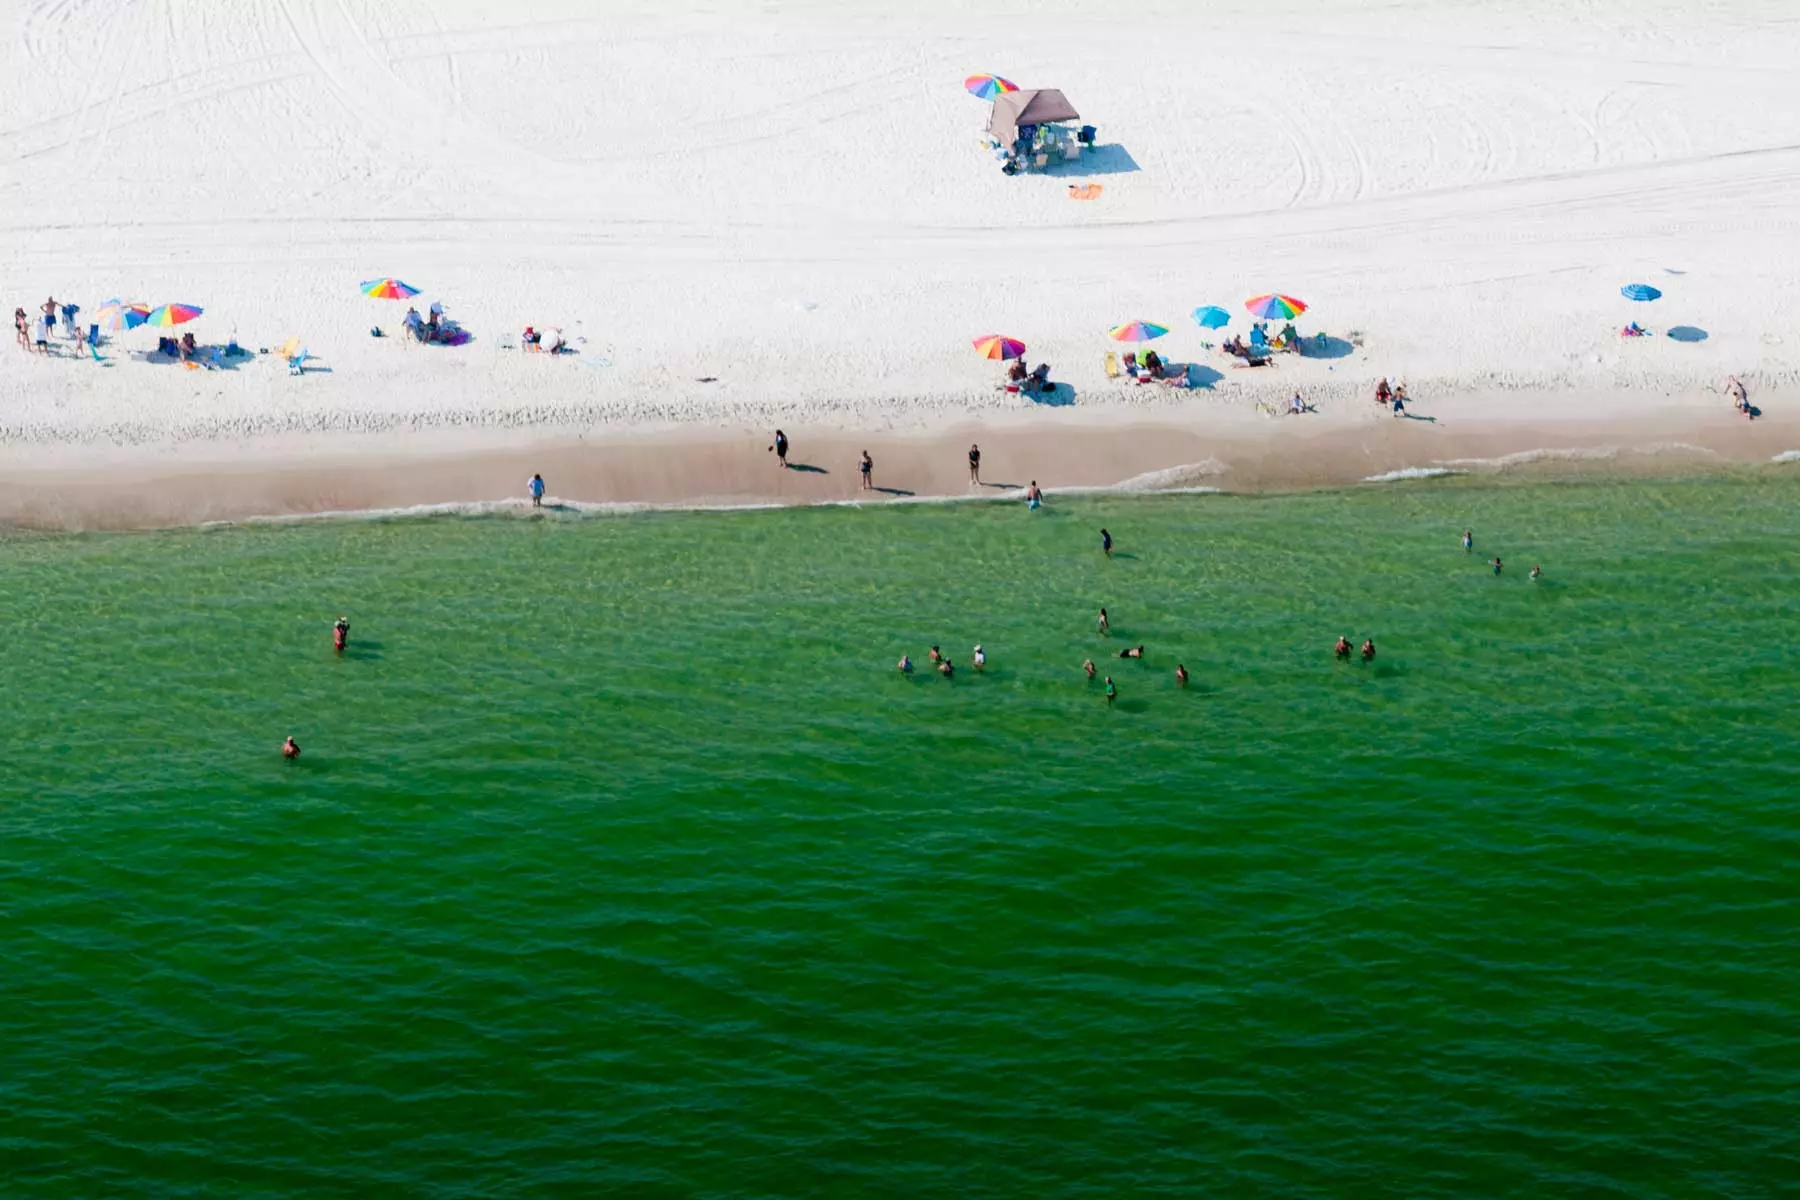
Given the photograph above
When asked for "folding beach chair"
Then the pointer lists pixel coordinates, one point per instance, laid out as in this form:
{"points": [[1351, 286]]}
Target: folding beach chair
{"points": [[1112, 365]]}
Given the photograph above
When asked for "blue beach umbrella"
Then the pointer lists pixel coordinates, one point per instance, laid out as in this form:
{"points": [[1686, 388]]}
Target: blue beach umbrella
{"points": [[1211, 317], [1639, 291]]}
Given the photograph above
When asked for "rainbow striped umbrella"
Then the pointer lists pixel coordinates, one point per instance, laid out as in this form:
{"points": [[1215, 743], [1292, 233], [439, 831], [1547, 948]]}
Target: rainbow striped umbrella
{"points": [[994, 346], [1275, 307], [388, 289], [1135, 331], [172, 314], [988, 86], [118, 315]]}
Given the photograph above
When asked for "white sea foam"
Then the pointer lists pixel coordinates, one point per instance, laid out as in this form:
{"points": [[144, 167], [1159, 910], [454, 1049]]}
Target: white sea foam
{"points": [[1412, 473], [1172, 479], [1526, 457], [1787, 456]]}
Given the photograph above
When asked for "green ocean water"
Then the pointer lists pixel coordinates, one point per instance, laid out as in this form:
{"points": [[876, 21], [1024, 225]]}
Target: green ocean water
{"points": [[621, 861]]}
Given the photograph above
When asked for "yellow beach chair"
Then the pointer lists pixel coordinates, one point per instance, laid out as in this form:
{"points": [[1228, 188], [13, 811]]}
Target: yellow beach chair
{"points": [[1112, 365]]}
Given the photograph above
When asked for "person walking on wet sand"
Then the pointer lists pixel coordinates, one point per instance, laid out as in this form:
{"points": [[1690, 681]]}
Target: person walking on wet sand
{"points": [[974, 465], [536, 487], [1106, 543], [867, 466], [780, 448]]}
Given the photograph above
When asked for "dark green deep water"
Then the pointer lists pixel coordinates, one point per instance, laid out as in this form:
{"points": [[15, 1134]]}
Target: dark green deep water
{"points": [[620, 860]]}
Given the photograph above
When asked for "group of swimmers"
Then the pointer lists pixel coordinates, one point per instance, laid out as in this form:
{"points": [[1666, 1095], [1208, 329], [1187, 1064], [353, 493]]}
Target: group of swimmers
{"points": [[941, 661], [1468, 545]]}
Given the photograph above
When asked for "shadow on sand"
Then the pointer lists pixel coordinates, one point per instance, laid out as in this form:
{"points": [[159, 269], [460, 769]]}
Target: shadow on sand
{"points": [[1110, 159], [1688, 333], [808, 468], [1330, 347]]}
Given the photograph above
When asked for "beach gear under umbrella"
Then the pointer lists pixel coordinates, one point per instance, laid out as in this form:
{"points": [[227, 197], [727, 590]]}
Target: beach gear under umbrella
{"points": [[388, 289], [1211, 317], [1275, 307], [172, 314], [994, 346], [1639, 291], [1135, 331], [115, 316], [988, 86]]}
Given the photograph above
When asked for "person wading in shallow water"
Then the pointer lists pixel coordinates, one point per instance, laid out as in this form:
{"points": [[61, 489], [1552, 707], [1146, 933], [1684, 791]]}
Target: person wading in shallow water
{"points": [[340, 634], [290, 748]]}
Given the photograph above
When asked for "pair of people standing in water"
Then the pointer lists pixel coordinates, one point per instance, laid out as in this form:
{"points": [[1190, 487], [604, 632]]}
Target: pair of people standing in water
{"points": [[1342, 650]]}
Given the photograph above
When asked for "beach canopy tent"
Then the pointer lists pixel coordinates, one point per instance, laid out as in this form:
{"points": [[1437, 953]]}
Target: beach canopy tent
{"points": [[1028, 106]]}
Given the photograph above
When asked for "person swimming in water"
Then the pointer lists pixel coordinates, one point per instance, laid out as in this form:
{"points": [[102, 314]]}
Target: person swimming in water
{"points": [[980, 659], [340, 634], [1088, 668], [1497, 564], [937, 656], [1368, 650], [1132, 652], [1181, 675], [1342, 649], [1112, 693], [945, 669], [905, 664], [1537, 572], [1106, 542], [1105, 625], [290, 748], [1468, 541], [1033, 496]]}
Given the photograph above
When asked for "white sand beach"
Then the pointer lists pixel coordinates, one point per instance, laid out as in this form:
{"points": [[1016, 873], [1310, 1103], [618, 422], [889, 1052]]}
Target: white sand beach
{"points": [[743, 214]]}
